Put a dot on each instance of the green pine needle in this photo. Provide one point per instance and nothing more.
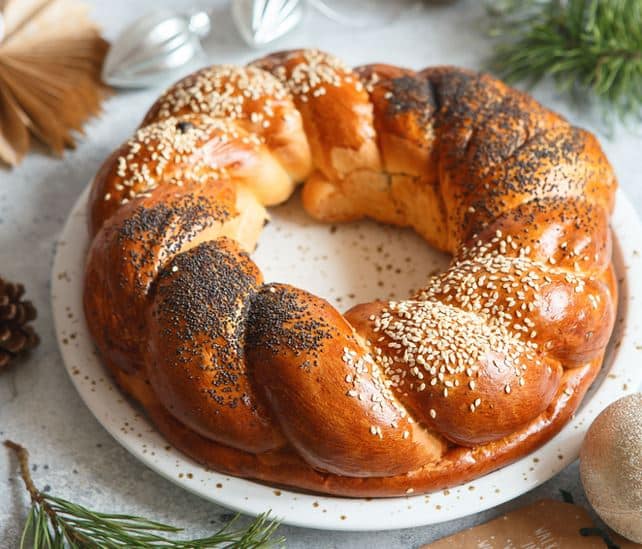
(592, 48)
(55, 523)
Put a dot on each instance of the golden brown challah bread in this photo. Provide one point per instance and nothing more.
(267, 381)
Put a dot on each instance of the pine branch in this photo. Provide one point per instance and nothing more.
(592, 48)
(56, 523)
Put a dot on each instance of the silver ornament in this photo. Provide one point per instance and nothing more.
(362, 13)
(155, 49)
(262, 21)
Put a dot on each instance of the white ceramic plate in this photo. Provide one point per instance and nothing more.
(347, 264)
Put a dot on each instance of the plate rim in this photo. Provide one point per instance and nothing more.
(364, 513)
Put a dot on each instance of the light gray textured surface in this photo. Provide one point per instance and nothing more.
(38, 405)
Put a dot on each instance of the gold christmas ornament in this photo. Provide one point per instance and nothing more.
(611, 466)
(51, 55)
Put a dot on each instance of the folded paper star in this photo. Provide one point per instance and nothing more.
(51, 55)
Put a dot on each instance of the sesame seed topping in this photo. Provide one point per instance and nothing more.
(169, 151)
(314, 73)
(225, 91)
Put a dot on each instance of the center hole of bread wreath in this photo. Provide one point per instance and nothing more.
(347, 263)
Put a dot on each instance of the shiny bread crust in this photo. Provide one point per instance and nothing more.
(266, 381)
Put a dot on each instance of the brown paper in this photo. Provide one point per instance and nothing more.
(50, 63)
(547, 524)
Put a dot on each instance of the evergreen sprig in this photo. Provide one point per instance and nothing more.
(590, 47)
(55, 523)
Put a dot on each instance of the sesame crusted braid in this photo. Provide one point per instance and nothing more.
(267, 381)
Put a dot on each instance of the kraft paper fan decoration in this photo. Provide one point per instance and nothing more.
(51, 55)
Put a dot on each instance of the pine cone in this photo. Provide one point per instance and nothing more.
(16, 336)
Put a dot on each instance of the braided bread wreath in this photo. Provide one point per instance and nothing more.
(270, 382)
